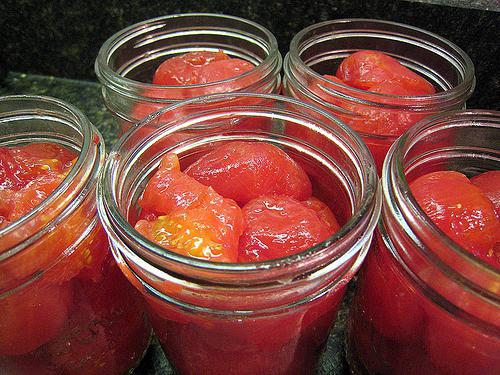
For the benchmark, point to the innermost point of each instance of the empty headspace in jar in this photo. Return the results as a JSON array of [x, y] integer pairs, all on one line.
[[323, 46], [137, 51]]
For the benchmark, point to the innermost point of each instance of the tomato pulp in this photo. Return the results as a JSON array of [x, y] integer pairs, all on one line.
[[240, 202], [66, 307], [397, 329]]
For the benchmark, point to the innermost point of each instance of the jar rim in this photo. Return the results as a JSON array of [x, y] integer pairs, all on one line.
[[395, 185], [106, 75], [464, 88], [91, 139], [110, 211]]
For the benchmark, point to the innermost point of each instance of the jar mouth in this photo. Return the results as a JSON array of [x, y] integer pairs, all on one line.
[[81, 178], [337, 30], [129, 87], [114, 214], [399, 203]]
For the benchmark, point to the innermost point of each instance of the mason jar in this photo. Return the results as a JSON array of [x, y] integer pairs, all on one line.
[[268, 317], [424, 304], [379, 118], [65, 307], [127, 61]]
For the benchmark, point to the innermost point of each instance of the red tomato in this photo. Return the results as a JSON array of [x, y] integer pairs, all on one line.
[[371, 121], [196, 233], [33, 317], [489, 183], [18, 203], [366, 69], [461, 210], [323, 212], [223, 69], [278, 226], [21, 165], [25, 365], [246, 170], [171, 189], [195, 221], [196, 68], [28, 174], [368, 119]]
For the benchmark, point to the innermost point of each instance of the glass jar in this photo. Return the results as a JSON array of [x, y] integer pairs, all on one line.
[[379, 118], [65, 306], [127, 61], [424, 305], [268, 317]]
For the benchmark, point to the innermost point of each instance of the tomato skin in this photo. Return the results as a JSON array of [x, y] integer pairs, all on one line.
[[278, 226], [223, 69], [33, 317], [246, 170], [366, 69], [171, 189], [323, 212], [460, 210], [199, 67], [193, 219], [489, 183]]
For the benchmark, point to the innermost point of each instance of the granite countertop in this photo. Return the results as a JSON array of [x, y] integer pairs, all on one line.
[[86, 96]]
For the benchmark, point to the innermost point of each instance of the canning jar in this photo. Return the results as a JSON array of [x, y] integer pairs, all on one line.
[[127, 61], [425, 305], [379, 118], [270, 317], [65, 306]]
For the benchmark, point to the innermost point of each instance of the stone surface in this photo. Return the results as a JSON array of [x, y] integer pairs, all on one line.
[[84, 95], [475, 4], [62, 38]]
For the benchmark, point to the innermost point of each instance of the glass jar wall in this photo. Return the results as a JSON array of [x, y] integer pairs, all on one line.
[[379, 118], [269, 317], [424, 304], [65, 306], [127, 61]]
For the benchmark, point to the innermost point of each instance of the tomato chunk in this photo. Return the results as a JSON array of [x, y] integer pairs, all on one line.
[[28, 174], [461, 210], [20, 165], [246, 170], [279, 226], [323, 212], [193, 219], [199, 67], [489, 183], [366, 69]]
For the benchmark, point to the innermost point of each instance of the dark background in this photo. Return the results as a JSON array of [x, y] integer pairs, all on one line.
[[62, 38]]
